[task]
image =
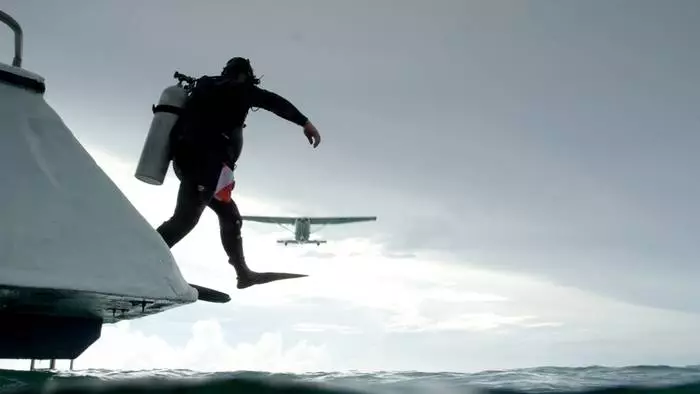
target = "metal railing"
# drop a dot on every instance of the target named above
(12, 23)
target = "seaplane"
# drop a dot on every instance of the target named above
(302, 225)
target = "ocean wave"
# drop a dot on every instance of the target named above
(584, 380)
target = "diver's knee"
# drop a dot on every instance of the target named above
(232, 228)
(187, 219)
(191, 221)
(238, 221)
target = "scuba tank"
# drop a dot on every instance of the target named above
(155, 156)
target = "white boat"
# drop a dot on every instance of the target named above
(74, 253)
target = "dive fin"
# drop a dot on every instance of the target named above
(259, 278)
(211, 295)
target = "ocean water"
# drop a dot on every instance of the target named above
(627, 380)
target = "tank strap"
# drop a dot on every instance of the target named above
(167, 108)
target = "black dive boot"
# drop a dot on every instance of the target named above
(246, 277)
(237, 260)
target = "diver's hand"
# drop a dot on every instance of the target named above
(312, 134)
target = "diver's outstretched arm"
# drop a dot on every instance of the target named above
(283, 108)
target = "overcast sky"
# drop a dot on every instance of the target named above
(532, 163)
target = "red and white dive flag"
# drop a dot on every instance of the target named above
(225, 185)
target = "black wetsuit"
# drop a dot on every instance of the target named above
(208, 135)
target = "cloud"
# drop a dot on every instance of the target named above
(318, 254)
(18, 364)
(464, 322)
(323, 327)
(123, 348)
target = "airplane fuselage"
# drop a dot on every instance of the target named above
(302, 234)
(302, 229)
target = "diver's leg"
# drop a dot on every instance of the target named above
(191, 201)
(197, 177)
(230, 231)
(230, 225)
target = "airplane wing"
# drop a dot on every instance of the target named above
(270, 219)
(341, 220)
